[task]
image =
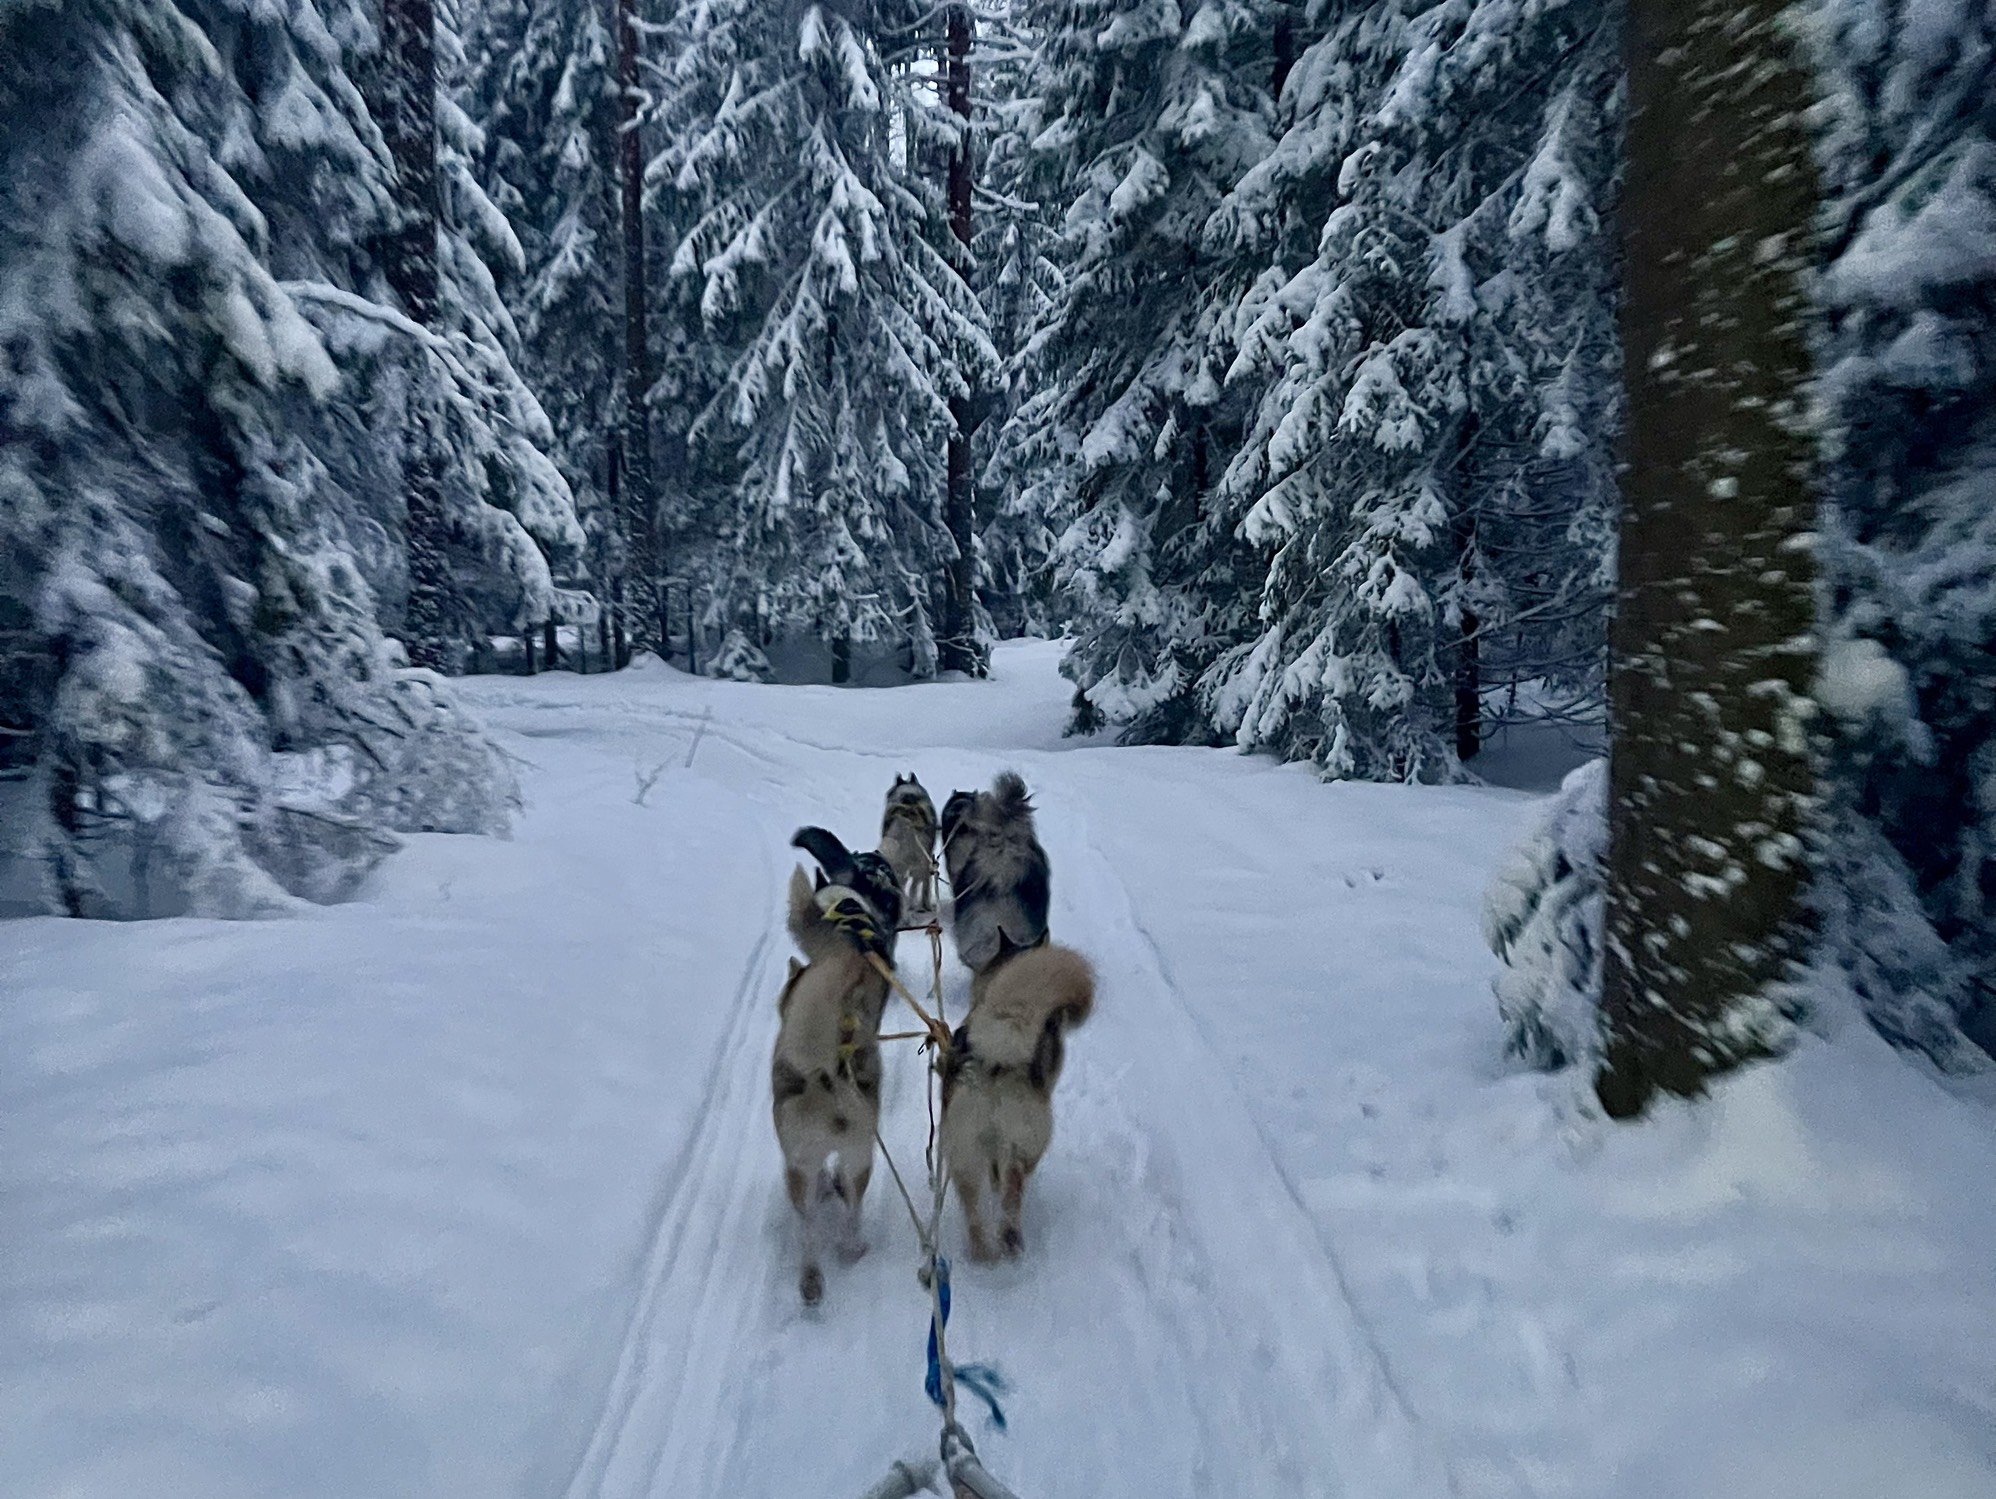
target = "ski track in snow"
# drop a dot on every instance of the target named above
(1299, 1233)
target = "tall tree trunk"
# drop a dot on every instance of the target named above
(1710, 779)
(958, 648)
(408, 112)
(1469, 644)
(617, 547)
(1468, 650)
(1285, 47)
(644, 575)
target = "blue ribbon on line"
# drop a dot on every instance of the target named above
(982, 1380)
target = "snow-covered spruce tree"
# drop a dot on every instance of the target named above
(1018, 284)
(1710, 774)
(457, 444)
(1144, 114)
(807, 259)
(1428, 467)
(540, 88)
(216, 721)
(1909, 897)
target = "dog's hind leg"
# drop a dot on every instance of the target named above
(852, 1241)
(1011, 1206)
(811, 1278)
(970, 1192)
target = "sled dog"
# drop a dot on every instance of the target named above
(908, 842)
(825, 1076)
(998, 1082)
(999, 878)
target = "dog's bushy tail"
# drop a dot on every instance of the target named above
(1049, 985)
(1010, 799)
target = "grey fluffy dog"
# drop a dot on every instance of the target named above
(1000, 882)
(998, 1080)
(908, 842)
(824, 1078)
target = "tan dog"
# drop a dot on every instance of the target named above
(825, 1082)
(908, 842)
(998, 1082)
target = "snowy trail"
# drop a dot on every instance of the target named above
(469, 1189)
(1146, 1347)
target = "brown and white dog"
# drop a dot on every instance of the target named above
(908, 842)
(825, 1076)
(998, 1081)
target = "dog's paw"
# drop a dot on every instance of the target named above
(852, 1251)
(811, 1285)
(1014, 1243)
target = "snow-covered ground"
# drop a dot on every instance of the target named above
(468, 1188)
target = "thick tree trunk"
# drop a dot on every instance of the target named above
(959, 649)
(645, 574)
(1710, 779)
(432, 624)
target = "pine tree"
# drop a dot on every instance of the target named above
(1427, 468)
(960, 648)
(434, 626)
(1018, 285)
(1710, 776)
(217, 723)
(541, 85)
(814, 315)
(1910, 391)
(1147, 112)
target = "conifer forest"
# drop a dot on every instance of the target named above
(1550, 443)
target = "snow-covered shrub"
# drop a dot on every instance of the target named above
(739, 659)
(1542, 917)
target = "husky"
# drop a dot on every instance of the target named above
(998, 1079)
(825, 1076)
(999, 878)
(908, 842)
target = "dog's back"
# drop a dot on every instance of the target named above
(908, 839)
(999, 875)
(1021, 1008)
(837, 989)
(825, 1078)
(998, 1082)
